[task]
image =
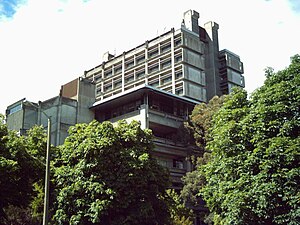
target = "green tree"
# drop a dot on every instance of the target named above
(180, 214)
(200, 120)
(253, 175)
(105, 175)
(200, 123)
(21, 165)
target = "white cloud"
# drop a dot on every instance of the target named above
(51, 42)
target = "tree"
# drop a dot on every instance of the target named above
(105, 175)
(253, 175)
(200, 126)
(21, 165)
(200, 120)
(180, 214)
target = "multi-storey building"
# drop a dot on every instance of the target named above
(158, 83)
(186, 62)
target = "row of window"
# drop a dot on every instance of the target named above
(140, 58)
(178, 164)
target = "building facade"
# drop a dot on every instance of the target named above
(70, 107)
(157, 83)
(185, 62)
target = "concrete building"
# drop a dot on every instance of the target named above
(184, 62)
(230, 70)
(70, 107)
(157, 83)
(163, 113)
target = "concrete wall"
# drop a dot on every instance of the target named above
(212, 60)
(30, 117)
(63, 113)
(14, 121)
(85, 98)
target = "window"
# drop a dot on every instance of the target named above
(178, 58)
(129, 79)
(140, 59)
(98, 78)
(179, 91)
(162, 162)
(108, 87)
(129, 64)
(178, 74)
(108, 73)
(166, 64)
(117, 83)
(166, 48)
(15, 109)
(153, 53)
(153, 68)
(118, 69)
(166, 80)
(177, 42)
(178, 164)
(140, 74)
(155, 84)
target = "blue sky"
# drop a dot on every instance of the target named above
(47, 43)
(295, 5)
(9, 7)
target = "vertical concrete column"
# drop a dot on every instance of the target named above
(146, 62)
(211, 60)
(58, 116)
(173, 61)
(188, 165)
(39, 119)
(102, 80)
(144, 112)
(123, 72)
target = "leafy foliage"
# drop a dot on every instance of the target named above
(180, 214)
(21, 165)
(200, 126)
(200, 120)
(253, 176)
(105, 175)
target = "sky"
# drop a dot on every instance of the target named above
(47, 43)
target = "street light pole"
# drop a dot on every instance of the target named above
(47, 175)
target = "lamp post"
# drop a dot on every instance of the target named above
(47, 173)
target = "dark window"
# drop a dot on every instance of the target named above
(129, 64)
(166, 64)
(178, 164)
(153, 68)
(153, 53)
(177, 42)
(129, 79)
(118, 69)
(179, 91)
(166, 48)
(178, 75)
(166, 80)
(118, 83)
(178, 58)
(108, 73)
(140, 74)
(155, 84)
(140, 59)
